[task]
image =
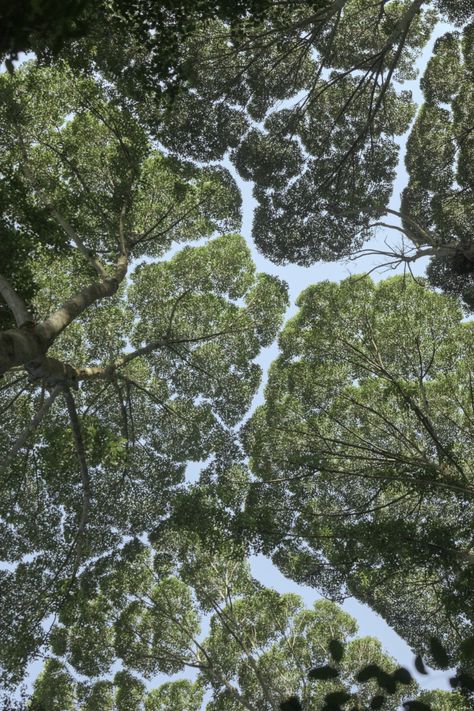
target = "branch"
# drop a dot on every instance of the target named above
(77, 304)
(229, 627)
(86, 489)
(58, 217)
(32, 425)
(409, 220)
(153, 398)
(15, 303)
(122, 242)
(94, 373)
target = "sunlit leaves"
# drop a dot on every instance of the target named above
(161, 370)
(362, 440)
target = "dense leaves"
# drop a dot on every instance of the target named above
(118, 381)
(438, 197)
(363, 454)
(328, 139)
(256, 654)
(125, 359)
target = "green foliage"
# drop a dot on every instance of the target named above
(363, 439)
(54, 688)
(324, 166)
(389, 683)
(259, 645)
(175, 696)
(32, 24)
(162, 364)
(139, 359)
(439, 160)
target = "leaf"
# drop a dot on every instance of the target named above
(462, 681)
(416, 706)
(336, 650)
(419, 665)
(402, 675)
(371, 671)
(439, 653)
(467, 648)
(291, 704)
(337, 698)
(323, 673)
(387, 682)
(377, 702)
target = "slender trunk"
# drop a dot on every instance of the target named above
(31, 427)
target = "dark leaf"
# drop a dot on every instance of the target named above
(462, 681)
(371, 671)
(438, 653)
(336, 698)
(419, 665)
(416, 706)
(291, 704)
(386, 682)
(323, 673)
(467, 648)
(377, 702)
(336, 650)
(402, 675)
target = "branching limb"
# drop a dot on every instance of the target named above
(59, 217)
(15, 303)
(31, 427)
(77, 304)
(97, 373)
(86, 487)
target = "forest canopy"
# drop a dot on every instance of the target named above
(133, 329)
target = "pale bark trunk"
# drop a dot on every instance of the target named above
(14, 302)
(29, 344)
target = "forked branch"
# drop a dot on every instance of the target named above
(31, 427)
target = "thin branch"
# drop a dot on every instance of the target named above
(59, 217)
(86, 487)
(30, 428)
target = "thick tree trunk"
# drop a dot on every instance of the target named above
(19, 346)
(29, 344)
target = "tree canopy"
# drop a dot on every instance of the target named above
(308, 100)
(132, 319)
(112, 382)
(145, 607)
(363, 453)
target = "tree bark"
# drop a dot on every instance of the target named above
(15, 303)
(29, 344)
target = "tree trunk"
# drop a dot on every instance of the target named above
(30, 343)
